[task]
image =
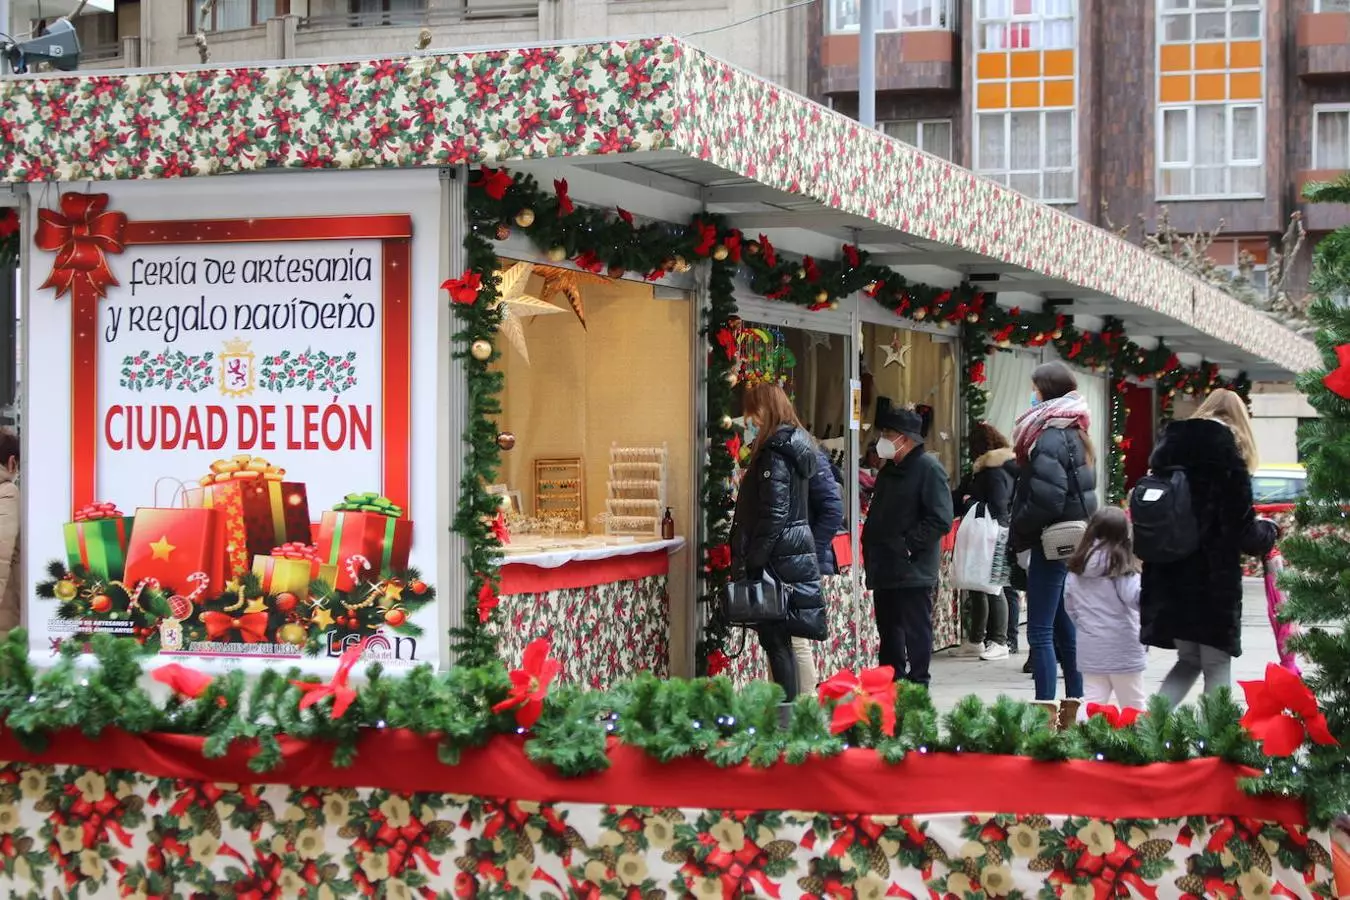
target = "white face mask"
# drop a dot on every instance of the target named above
(886, 448)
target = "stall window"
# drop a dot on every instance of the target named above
(915, 369)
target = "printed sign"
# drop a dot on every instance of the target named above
(240, 433)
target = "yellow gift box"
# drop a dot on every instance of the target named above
(279, 574)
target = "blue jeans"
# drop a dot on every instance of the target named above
(1047, 625)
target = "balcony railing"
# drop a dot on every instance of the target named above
(414, 15)
(844, 16)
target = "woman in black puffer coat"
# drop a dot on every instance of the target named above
(993, 618)
(772, 528)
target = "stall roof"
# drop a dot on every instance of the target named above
(655, 110)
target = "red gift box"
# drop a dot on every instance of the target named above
(170, 544)
(265, 512)
(383, 540)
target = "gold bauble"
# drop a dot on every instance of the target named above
(505, 441)
(752, 248)
(822, 296)
(66, 590)
(292, 633)
(481, 350)
(525, 218)
(720, 252)
(732, 378)
(503, 231)
(920, 313)
(972, 318)
(870, 287)
(681, 264)
(801, 274)
(557, 254)
(727, 422)
(1057, 334)
(834, 304)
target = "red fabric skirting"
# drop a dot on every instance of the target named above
(522, 578)
(857, 781)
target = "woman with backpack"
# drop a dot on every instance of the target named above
(993, 617)
(771, 528)
(1194, 604)
(1056, 486)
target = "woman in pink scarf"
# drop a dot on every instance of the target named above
(1056, 483)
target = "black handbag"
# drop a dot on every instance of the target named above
(755, 601)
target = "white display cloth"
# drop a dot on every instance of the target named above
(550, 552)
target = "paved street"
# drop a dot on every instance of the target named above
(957, 678)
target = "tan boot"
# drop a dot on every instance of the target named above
(1068, 712)
(1052, 708)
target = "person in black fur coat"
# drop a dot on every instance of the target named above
(1194, 605)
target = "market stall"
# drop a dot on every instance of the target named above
(512, 778)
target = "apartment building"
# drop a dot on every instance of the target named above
(1218, 109)
(131, 33)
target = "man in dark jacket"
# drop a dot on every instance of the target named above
(827, 511)
(911, 513)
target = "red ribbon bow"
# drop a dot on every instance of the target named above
(94, 511)
(252, 627)
(81, 235)
(343, 695)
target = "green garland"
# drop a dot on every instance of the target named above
(613, 242)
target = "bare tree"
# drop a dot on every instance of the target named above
(203, 19)
(1191, 252)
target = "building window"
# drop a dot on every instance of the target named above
(1210, 99)
(1331, 137)
(892, 15)
(1026, 89)
(232, 15)
(1026, 25)
(1331, 6)
(930, 135)
(98, 36)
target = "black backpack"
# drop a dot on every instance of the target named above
(1165, 527)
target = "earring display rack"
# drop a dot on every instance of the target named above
(636, 498)
(560, 489)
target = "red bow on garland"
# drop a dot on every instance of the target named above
(252, 627)
(81, 235)
(1339, 380)
(182, 681)
(342, 694)
(874, 687)
(463, 290)
(487, 601)
(1116, 718)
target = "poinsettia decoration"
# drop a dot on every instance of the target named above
(529, 683)
(464, 290)
(1338, 381)
(1282, 711)
(856, 695)
(487, 601)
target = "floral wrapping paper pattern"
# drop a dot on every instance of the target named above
(602, 635)
(73, 832)
(612, 97)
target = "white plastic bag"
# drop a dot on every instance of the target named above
(979, 541)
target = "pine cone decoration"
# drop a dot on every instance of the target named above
(933, 850)
(349, 832)
(211, 821)
(573, 839)
(466, 864)
(994, 853)
(525, 846)
(671, 815)
(440, 828)
(1154, 850)
(1318, 854)
(972, 869)
(1040, 823)
(1191, 884)
(1261, 859)
(631, 844)
(811, 885)
(265, 813)
(674, 857)
(779, 850)
(877, 862)
(1041, 864)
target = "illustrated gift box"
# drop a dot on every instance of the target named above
(170, 543)
(97, 540)
(366, 525)
(259, 509)
(290, 567)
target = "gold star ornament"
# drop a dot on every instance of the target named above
(161, 548)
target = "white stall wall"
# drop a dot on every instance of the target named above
(172, 299)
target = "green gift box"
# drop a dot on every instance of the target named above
(99, 545)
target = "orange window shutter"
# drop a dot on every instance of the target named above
(1058, 64)
(993, 95)
(1026, 94)
(1244, 55)
(1211, 56)
(1244, 86)
(991, 66)
(1059, 94)
(1175, 58)
(1211, 87)
(1174, 89)
(1026, 64)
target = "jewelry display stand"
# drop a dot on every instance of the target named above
(636, 499)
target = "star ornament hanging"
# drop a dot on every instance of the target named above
(1282, 712)
(895, 351)
(1338, 381)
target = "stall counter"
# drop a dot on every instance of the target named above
(603, 601)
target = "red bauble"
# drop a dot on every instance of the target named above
(180, 607)
(286, 601)
(100, 603)
(395, 617)
(418, 587)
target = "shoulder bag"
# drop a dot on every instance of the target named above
(1059, 540)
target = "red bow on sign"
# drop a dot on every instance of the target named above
(252, 627)
(80, 235)
(342, 693)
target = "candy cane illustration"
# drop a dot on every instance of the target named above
(141, 586)
(180, 607)
(355, 565)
